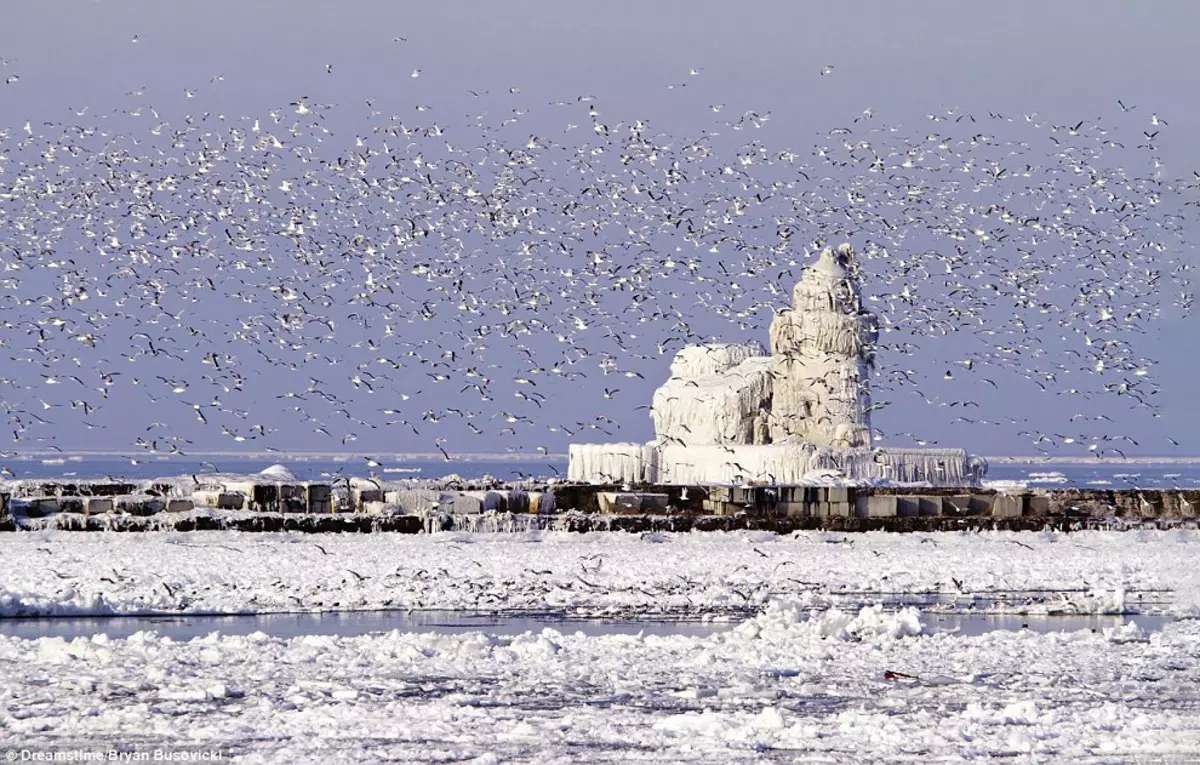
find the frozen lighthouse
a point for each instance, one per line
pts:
(730, 413)
(822, 356)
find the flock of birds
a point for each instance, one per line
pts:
(420, 282)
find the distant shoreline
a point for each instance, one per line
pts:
(1093, 460)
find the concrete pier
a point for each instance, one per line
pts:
(367, 505)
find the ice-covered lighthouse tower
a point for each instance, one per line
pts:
(822, 357)
(731, 414)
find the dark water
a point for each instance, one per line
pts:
(1103, 475)
(354, 623)
(304, 468)
(1100, 475)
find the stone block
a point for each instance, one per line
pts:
(655, 503)
(1008, 506)
(981, 504)
(713, 507)
(957, 504)
(99, 505)
(293, 498)
(877, 506)
(1189, 502)
(205, 496)
(789, 494)
(541, 502)
(838, 494)
(743, 495)
(363, 496)
(230, 501)
(1150, 504)
(630, 502)
(1038, 504)
(381, 508)
(180, 505)
(840, 509)
(140, 505)
(793, 509)
(907, 507)
(41, 507)
(618, 502)
(467, 504)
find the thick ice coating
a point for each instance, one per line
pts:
(822, 359)
(717, 394)
(730, 413)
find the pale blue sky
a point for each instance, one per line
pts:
(1065, 62)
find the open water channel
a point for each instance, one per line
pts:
(354, 623)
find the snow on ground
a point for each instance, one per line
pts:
(840, 687)
(57, 572)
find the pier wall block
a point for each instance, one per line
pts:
(958, 504)
(382, 509)
(293, 498)
(1008, 506)
(100, 505)
(793, 509)
(231, 501)
(843, 509)
(629, 503)
(541, 502)
(1038, 504)
(1189, 502)
(40, 507)
(928, 506)
(981, 504)
(140, 505)
(362, 496)
(320, 498)
(877, 506)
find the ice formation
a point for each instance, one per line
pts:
(732, 414)
(717, 394)
(822, 359)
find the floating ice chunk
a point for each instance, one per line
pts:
(1129, 632)
(278, 473)
(784, 622)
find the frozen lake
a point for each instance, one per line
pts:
(550, 647)
(781, 686)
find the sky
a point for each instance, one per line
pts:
(670, 65)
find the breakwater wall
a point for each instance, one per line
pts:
(358, 505)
